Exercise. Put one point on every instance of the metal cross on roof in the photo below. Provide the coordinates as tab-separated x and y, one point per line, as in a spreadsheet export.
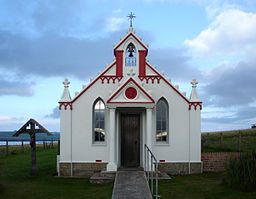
131	16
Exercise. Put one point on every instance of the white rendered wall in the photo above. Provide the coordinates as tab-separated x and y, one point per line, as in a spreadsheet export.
177	147
182	122
65	134
195	135
176	150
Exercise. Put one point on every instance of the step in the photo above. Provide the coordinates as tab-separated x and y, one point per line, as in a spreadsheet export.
161	175
110	174
102	177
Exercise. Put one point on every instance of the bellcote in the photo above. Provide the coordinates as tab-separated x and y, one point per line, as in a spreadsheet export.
130	52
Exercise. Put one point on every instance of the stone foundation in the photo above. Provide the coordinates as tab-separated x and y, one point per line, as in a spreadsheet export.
180	168
81	169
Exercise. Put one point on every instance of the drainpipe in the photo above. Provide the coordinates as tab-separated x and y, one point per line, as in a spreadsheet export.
189	144
71	163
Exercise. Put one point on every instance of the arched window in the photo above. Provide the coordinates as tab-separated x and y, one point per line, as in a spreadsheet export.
130	57
99	121
162	121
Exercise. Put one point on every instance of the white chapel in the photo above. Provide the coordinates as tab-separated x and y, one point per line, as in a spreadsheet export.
127	106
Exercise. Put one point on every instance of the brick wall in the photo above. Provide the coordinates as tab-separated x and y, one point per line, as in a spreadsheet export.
215	162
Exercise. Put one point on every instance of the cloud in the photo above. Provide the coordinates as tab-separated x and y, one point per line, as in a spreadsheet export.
231	33
55	113
242	117
19	88
174	63
10	123
66	41
234	86
115	23
54	55
34	18
117	11
230	43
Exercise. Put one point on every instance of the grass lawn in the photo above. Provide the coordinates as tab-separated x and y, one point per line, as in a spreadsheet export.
200	186
212	142
15	181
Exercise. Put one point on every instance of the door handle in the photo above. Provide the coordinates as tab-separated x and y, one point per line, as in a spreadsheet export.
136	142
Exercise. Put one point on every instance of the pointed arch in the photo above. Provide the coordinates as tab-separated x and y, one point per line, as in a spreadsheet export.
130	55
98	115
162	121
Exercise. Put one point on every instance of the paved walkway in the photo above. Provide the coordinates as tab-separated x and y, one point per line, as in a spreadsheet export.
131	185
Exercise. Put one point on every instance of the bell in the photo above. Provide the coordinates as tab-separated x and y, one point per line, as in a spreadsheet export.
130	51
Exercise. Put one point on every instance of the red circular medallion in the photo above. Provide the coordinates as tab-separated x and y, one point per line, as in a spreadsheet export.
130	93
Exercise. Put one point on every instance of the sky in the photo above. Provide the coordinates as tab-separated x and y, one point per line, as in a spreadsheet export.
44	41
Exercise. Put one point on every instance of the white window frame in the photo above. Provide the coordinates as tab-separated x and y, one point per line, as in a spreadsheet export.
167	122
93	122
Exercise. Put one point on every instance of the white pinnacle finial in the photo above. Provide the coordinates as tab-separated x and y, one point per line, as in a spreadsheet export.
194	96
65	95
194	83
66	83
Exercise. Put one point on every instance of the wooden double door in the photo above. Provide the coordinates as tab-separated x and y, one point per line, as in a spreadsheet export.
130	140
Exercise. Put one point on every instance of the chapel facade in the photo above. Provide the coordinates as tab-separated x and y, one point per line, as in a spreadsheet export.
128	105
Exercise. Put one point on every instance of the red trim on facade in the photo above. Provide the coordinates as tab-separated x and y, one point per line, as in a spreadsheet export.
119	62
167	82
98	160
161	160
131	79
65	104
110	77
142	63
102	74
195	104
131	93
107	69
130	102
150	77
131	34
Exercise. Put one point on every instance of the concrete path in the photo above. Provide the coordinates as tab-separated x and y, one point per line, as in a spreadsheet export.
131	185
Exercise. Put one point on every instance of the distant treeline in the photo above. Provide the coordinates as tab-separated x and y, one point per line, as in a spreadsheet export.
8	135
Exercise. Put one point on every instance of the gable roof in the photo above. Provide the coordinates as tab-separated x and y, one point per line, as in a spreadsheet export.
150	100
86	88
167	82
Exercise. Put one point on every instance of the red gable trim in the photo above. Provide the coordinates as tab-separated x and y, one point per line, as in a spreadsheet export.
65	104
131	34
195	104
167	82
131	79
106	70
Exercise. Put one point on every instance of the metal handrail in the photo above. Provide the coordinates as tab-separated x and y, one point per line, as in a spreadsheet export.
151	165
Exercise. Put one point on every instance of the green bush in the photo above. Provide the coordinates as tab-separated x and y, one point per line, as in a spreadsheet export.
241	172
